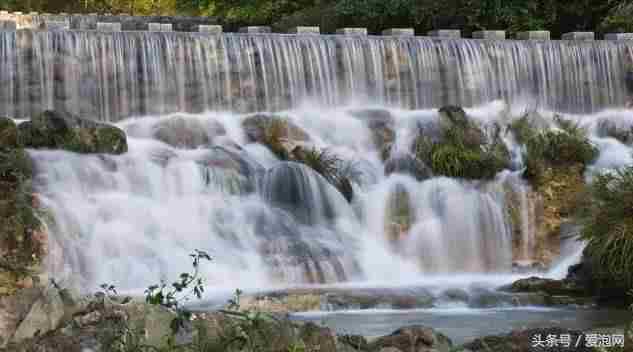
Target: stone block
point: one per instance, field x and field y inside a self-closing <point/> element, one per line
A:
<point x="108" y="27"/>
<point x="534" y="35"/>
<point x="618" y="36"/>
<point x="255" y="29"/>
<point x="159" y="27"/>
<point x="56" y="25"/>
<point x="210" y="29"/>
<point x="579" y="36"/>
<point x="399" y="31"/>
<point x="352" y="31"/>
<point x="446" y="33"/>
<point x="305" y="30"/>
<point x="492" y="35"/>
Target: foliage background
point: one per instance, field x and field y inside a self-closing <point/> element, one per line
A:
<point x="558" y="16"/>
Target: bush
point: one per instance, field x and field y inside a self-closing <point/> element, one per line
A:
<point x="608" y="228"/>
<point x="337" y="172"/>
<point x="464" y="150"/>
<point x="565" y="147"/>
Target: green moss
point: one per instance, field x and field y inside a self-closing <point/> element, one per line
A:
<point x="54" y="130"/>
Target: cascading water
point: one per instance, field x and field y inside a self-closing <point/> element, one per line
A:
<point x="194" y="181"/>
<point x="109" y="76"/>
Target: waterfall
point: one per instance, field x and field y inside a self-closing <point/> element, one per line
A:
<point x="193" y="178"/>
<point x="110" y="76"/>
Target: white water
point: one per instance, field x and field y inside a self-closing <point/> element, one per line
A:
<point x="110" y="76"/>
<point x="132" y="220"/>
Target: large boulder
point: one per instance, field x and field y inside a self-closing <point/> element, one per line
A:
<point x="414" y="338"/>
<point x="8" y="133"/>
<point x="524" y="341"/>
<point x="258" y="128"/>
<point x="454" y="117"/>
<point x="549" y="286"/>
<point x="187" y="132"/>
<point x="407" y="164"/>
<point x="59" y="130"/>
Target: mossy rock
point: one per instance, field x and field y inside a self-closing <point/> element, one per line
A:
<point x="262" y="128"/>
<point x="465" y="149"/>
<point x="8" y="133"/>
<point x="549" y="286"/>
<point x="57" y="130"/>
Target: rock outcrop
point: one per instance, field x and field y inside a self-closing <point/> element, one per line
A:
<point x="59" y="130"/>
<point x="415" y="339"/>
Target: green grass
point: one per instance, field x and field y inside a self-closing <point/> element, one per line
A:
<point x="608" y="228"/>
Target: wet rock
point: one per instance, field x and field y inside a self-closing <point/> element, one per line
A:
<point x="400" y="215"/>
<point x="8" y="133"/>
<point x="301" y="191"/>
<point x="455" y="294"/>
<point x="371" y="299"/>
<point x="189" y="133"/>
<point x="622" y="131"/>
<point x="552" y="287"/>
<point x="407" y="164"/>
<point x="414" y="338"/>
<point x="58" y="130"/>
<point x="522" y="340"/>
<point x="258" y="128"/>
<point x="484" y="298"/>
<point x="381" y="124"/>
<point x="229" y="170"/>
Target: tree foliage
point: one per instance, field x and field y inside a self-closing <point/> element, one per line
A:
<point x="559" y="16"/>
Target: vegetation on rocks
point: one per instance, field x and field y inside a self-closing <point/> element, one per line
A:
<point x="464" y="150"/>
<point x="285" y="139"/>
<point x="565" y="147"/>
<point x="22" y="235"/>
<point x="58" y="130"/>
<point x="608" y="229"/>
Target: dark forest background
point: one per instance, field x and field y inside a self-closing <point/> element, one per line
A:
<point x="558" y="16"/>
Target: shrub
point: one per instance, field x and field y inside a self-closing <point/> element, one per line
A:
<point x="557" y="148"/>
<point x="608" y="227"/>
<point x="464" y="150"/>
<point x="337" y="172"/>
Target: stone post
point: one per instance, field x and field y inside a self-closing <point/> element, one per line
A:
<point x="584" y="36"/>
<point x="446" y="33"/>
<point x="399" y="32"/>
<point x="534" y="35"/>
<point x="618" y="36"/>
<point x="492" y="35"/>
<point x="210" y="29"/>
<point x="305" y="30"/>
<point x="255" y="30"/>
<point x="352" y="31"/>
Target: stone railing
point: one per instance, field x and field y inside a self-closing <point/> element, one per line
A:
<point x="122" y="22"/>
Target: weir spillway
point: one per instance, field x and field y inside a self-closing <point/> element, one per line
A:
<point x="115" y="75"/>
